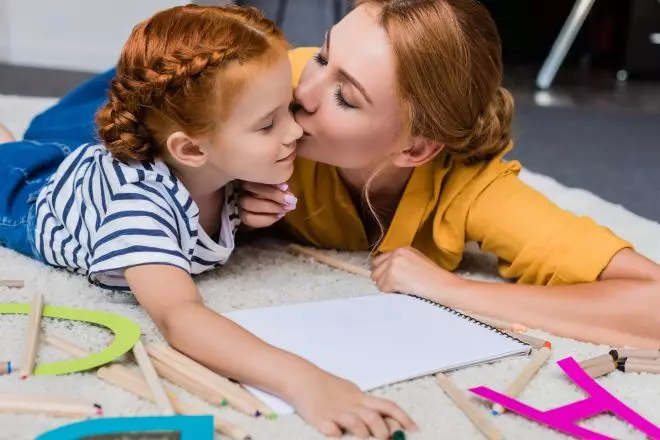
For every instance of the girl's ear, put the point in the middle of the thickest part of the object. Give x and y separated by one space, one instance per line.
186 151
419 152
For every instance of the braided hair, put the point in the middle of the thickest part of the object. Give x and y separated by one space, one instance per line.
181 70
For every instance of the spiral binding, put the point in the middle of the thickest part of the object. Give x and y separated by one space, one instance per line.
471 319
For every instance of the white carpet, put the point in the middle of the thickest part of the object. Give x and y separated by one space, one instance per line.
268 276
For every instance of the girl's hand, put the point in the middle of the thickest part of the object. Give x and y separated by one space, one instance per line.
263 205
334 406
407 270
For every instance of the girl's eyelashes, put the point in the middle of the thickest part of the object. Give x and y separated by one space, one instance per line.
341 102
320 59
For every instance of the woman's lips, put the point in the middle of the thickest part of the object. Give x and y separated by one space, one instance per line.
289 158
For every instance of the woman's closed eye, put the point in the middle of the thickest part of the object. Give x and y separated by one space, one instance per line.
341 101
320 59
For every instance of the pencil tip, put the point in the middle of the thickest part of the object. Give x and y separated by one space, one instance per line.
547 344
398 435
97 406
224 402
494 412
272 416
24 376
257 414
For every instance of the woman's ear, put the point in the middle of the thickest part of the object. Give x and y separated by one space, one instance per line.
419 152
185 150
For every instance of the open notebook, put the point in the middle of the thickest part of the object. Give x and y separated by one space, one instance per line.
377 340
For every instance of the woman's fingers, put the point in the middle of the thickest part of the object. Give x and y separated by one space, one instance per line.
262 206
258 220
379 260
274 193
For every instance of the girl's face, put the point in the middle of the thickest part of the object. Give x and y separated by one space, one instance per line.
257 142
350 111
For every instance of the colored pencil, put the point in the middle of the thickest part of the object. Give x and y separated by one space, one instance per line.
139 386
32 339
152 379
537 343
638 353
607 358
53 406
601 369
461 400
638 365
329 260
17 284
187 384
235 395
5 367
132 382
526 375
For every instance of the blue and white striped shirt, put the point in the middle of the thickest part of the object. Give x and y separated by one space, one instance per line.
97 216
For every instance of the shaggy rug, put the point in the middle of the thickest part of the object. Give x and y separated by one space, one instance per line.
264 274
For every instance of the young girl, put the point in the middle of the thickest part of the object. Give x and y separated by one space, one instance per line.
200 98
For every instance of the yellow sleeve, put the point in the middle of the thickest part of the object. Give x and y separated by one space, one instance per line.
536 241
299 58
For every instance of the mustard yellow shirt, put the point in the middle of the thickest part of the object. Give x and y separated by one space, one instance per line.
443 207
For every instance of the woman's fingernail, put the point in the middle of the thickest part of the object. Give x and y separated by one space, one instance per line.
283 186
290 199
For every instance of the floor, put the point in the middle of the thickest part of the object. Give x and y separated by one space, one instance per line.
590 131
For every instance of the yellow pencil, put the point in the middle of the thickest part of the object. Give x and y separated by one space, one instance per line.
526 375
32 339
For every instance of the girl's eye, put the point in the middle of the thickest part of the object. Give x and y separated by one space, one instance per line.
341 102
320 59
267 127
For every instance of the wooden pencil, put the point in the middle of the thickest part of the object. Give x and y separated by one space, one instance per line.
142 390
639 365
132 382
188 384
16 284
499 324
56 407
601 369
638 353
329 260
462 401
598 360
5 367
235 396
526 375
152 379
537 343
32 339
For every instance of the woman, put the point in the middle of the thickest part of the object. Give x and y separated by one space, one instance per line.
404 104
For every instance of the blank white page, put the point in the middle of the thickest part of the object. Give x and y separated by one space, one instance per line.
376 340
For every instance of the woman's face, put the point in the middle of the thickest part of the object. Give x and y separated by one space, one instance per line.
350 111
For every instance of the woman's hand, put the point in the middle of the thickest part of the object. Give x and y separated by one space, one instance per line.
263 205
407 270
334 406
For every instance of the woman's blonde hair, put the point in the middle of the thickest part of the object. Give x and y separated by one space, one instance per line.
449 72
181 70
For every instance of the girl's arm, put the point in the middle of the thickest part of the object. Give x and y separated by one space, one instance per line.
329 403
620 309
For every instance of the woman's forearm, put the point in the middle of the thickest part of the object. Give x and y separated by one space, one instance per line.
231 351
614 312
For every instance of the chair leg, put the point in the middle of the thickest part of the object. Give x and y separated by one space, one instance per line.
563 43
